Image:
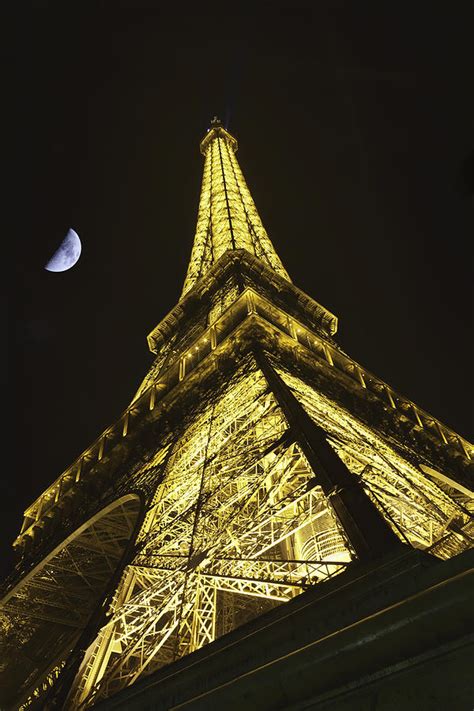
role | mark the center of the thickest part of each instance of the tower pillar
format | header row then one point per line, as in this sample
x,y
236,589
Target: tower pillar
x,y
368,532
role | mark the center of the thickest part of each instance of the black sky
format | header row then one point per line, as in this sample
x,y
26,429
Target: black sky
x,y
355,123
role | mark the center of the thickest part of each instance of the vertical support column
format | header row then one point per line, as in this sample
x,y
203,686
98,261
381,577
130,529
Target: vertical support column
x,y
79,471
251,304
291,329
203,629
390,397
328,355
213,337
365,527
58,492
418,418
101,448
441,433
98,654
39,510
463,448
126,421
360,377
152,397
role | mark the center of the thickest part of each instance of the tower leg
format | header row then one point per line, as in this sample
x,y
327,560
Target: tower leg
x,y
367,530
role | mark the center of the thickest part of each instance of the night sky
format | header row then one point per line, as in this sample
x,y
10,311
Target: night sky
x,y
355,128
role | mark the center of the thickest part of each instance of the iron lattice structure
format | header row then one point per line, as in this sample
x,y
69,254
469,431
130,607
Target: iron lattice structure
x,y
257,459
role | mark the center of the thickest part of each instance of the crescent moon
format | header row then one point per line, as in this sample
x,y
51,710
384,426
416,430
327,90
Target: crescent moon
x,y
66,254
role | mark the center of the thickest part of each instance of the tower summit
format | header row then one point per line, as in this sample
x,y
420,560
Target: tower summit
x,y
227,216
267,525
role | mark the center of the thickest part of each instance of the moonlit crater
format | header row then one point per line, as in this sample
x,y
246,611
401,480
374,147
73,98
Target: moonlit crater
x,y
67,253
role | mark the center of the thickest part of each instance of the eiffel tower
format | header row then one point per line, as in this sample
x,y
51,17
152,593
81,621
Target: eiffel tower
x,y
258,477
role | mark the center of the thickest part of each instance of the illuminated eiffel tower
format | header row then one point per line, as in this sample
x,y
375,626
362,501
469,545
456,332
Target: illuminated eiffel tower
x,y
258,477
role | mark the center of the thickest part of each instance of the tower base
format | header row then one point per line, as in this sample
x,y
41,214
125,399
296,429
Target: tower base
x,y
393,634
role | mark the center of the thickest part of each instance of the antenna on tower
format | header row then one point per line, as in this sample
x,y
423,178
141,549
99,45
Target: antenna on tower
x,y
216,123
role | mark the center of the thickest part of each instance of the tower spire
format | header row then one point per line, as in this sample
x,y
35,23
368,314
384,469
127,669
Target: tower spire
x,y
227,216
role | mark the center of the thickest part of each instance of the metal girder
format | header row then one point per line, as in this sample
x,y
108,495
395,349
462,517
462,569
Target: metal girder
x,y
236,488
227,216
418,510
44,614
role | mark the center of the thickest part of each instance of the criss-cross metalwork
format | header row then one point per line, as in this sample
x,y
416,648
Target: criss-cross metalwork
x,y
237,525
255,461
227,216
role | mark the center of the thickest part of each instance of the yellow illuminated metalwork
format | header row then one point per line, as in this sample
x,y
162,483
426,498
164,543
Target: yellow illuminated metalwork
x,y
239,525
227,216
417,508
235,518
233,530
